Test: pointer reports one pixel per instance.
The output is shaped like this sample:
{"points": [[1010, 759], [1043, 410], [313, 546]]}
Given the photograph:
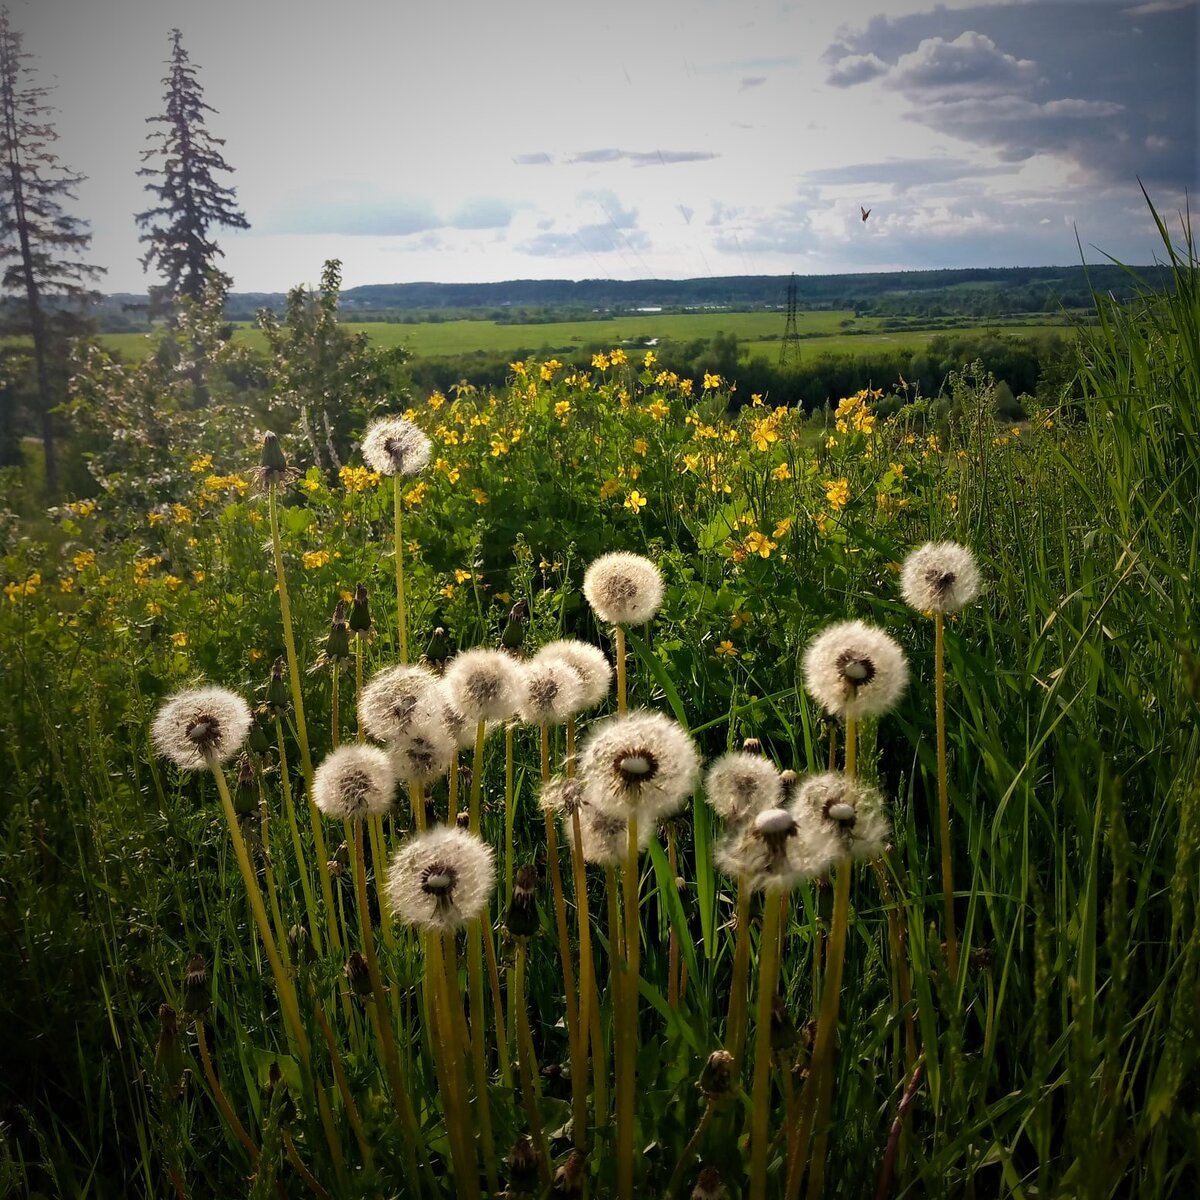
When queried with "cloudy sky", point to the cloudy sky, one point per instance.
{"points": [[460, 140]]}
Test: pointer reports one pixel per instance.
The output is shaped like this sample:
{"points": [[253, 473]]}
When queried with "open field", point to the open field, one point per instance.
{"points": [[822, 332]]}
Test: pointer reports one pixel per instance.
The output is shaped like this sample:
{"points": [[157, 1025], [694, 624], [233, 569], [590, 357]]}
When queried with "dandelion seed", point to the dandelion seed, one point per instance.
{"points": [[394, 446], [845, 816], [640, 762], [201, 727], [623, 588], [854, 669], [354, 782], [484, 684], [551, 691], [588, 662], [390, 701], [742, 783], [441, 879], [940, 577]]}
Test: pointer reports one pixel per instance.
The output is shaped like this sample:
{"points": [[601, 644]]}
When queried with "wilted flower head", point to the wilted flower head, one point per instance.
{"points": [[623, 588], [440, 879], [770, 851], [709, 1185], [273, 469], [550, 691], [354, 782], [394, 446], [855, 670], [640, 762], [940, 577], [201, 727], [846, 815], [561, 795], [484, 684], [391, 701], [589, 663], [425, 750], [741, 783]]}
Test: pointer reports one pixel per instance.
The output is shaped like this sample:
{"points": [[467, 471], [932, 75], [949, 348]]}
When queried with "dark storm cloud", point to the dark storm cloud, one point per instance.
{"points": [[903, 173], [1110, 86]]}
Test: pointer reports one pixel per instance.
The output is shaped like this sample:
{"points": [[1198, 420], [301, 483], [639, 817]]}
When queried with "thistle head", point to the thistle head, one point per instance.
{"points": [[354, 782], [200, 728], [940, 577], [588, 662], [550, 691], [484, 684], [395, 446], [639, 762], [623, 588], [742, 783], [392, 700], [844, 815], [440, 879], [855, 670]]}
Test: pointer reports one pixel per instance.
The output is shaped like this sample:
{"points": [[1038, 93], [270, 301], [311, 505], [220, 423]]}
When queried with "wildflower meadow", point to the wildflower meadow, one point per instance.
{"points": [[614, 785]]}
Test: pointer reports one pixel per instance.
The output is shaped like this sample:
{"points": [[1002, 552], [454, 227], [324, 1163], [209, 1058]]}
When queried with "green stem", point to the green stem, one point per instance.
{"points": [[760, 1106], [310, 904], [944, 795], [527, 1064], [401, 613], [735, 1026], [622, 691], [627, 1051]]}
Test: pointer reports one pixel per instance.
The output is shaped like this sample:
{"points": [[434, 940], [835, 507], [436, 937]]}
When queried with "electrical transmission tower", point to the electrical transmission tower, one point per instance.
{"points": [[789, 350]]}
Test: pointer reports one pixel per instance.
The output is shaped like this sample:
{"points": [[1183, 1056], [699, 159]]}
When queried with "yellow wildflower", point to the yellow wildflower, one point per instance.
{"points": [[740, 619], [499, 446], [781, 527], [182, 514], [600, 362], [617, 357], [66, 584], [549, 367], [254, 654], [726, 649], [199, 576], [154, 518], [315, 558], [562, 408], [782, 472], [657, 409], [179, 639], [311, 485], [517, 368], [358, 479], [480, 496], [640, 446], [756, 401], [436, 400], [711, 381], [759, 543], [897, 469], [173, 582], [608, 487], [685, 385], [447, 591], [83, 560], [649, 360], [201, 464], [635, 501], [461, 576], [415, 494], [837, 493]]}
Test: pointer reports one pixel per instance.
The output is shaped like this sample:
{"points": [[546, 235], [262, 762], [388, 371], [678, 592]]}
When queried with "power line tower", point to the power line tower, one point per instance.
{"points": [[789, 350]]}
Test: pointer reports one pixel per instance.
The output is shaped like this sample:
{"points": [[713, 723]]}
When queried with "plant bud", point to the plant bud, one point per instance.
{"points": [[568, 1179], [260, 737], [337, 645], [438, 649], [788, 777], [716, 1077], [197, 998], [522, 1167], [463, 820], [245, 796], [708, 1185], [752, 746], [522, 918], [279, 696], [360, 613], [274, 466], [514, 630], [167, 1055], [301, 946], [358, 974]]}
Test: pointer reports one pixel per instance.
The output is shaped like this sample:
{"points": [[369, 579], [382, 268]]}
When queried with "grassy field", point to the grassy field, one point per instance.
{"points": [[823, 332]]}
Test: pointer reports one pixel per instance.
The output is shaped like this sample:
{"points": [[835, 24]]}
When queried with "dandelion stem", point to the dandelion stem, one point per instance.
{"points": [[944, 793], [510, 812], [283, 983], [310, 904], [401, 613], [482, 1112], [451, 1022], [231, 1118], [358, 687], [622, 694], [587, 967], [627, 1050], [527, 1063], [760, 1107], [444, 1042], [493, 969], [334, 715], [735, 1026], [310, 1180], [339, 1075], [689, 1151], [673, 941]]}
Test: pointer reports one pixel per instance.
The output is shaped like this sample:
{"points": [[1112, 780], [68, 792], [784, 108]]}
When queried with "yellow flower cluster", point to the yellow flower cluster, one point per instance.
{"points": [[854, 413], [315, 558], [14, 591], [83, 560], [837, 493], [81, 508], [358, 479]]}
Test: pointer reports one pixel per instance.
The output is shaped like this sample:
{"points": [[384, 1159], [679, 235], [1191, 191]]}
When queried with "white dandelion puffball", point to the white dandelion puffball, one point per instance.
{"points": [[589, 663], [424, 751], [551, 691], [561, 795], [391, 700], [441, 879], [201, 727], [604, 836], [771, 850], [484, 685], [940, 577], [623, 588], [460, 729], [847, 815], [354, 782], [855, 670], [394, 446], [640, 762], [741, 783]]}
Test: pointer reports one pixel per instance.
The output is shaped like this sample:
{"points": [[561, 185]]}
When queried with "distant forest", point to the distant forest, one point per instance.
{"points": [[977, 292]]}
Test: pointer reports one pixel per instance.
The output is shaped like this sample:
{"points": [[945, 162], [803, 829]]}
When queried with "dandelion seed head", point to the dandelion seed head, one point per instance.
{"points": [[484, 684], [772, 850], [855, 670], [589, 663], [742, 783], [939, 577], [354, 782], [440, 879], [640, 762], [604, 835], [201, 727], [561, 795], [394, 446], [392, 700], [623, 588], [849, 817], [551, 691], [425, 750]]}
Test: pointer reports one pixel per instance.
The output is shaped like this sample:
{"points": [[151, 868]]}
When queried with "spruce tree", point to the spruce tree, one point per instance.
{"points": [[39, 241], [190, 200]]}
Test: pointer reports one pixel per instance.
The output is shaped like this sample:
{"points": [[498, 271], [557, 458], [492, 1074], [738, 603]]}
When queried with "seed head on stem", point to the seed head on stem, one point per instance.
{"points": [[441, 879], [201, 727], [939, 577], [855, 670], [623, 588]]}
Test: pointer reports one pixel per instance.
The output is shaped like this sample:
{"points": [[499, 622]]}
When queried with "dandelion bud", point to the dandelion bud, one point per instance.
{"points": [[279, 696], [845, 815], [440, 879], [623, 588], [259, 740], [940, 577], [588, 662], [245, 798], [335, 868], [462, 820], [358, 974], [300, 944], [337, 644], [437, 650], [784, 1035], [394, 446], [522, 1167], [167, 1055], [752, 746], [354, 782], [513, 636], [197, 996], [522, 919], [201, 727], [568, 1179], [788, 778], [854, 670], [716, 1077], [360, 613], [709, 1185], [273, 469], [742, 783], [484, 684], [550, 692]]}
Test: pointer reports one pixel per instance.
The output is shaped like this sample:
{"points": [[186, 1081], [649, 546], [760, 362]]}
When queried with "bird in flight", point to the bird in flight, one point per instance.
{"points": [[866, 212]]}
